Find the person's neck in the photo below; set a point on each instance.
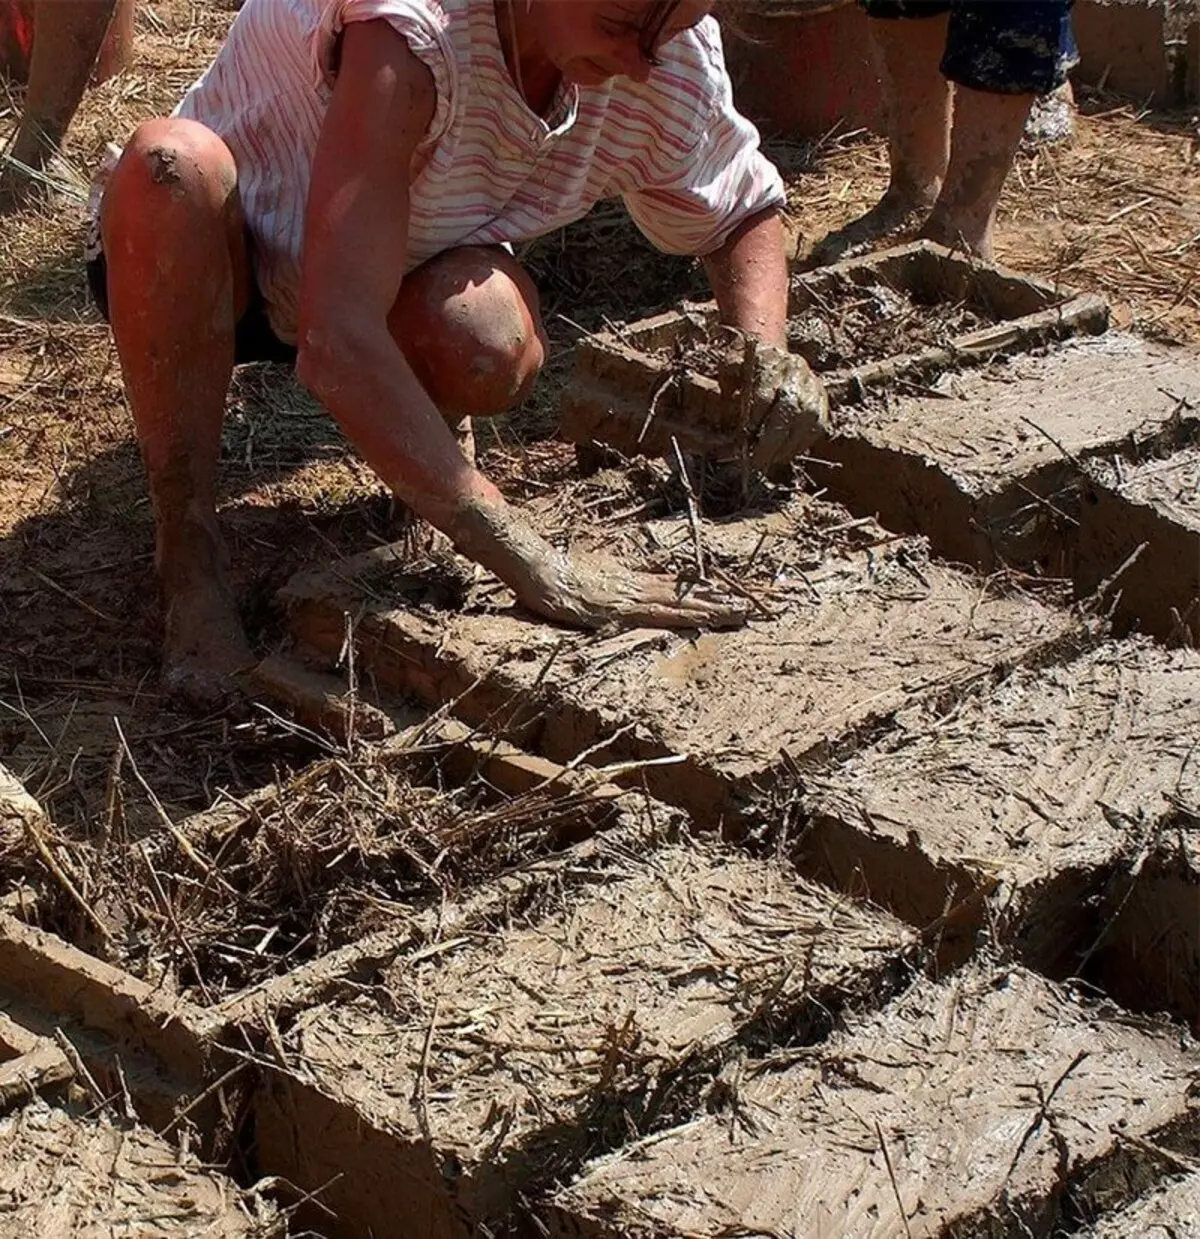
(532, 71)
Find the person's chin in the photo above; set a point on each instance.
(584, 72)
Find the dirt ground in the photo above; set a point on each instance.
(1115, 211)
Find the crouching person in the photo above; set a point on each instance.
(340, 190)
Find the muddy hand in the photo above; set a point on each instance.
(584, 591)
(786, 409)
(589, 592)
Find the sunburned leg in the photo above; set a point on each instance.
(917, 102)
(987, 131)
(178, 281)
(68, 35)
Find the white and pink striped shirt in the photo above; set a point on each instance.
(489, 170)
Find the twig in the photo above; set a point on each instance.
(70, 597)
(1047, 435)
(168, 911)
(887, 1161)
(63, 878)
(201, 1098)
(421, 1087)
(738, 588)
(1043, 502)
(652, 412)
(180, 839)
(1043, 1112)
(692, 511)
(81, 1069)
(1109, 581)
(746, 399)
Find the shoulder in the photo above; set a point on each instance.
(435, 31)
(688, 88)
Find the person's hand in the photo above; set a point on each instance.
(592, 592)
(586, 591)
(784, 406)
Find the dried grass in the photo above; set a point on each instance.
(252, 889)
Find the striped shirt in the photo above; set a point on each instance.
(489, 171)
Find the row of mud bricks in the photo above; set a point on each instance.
(896, 931)
(877, 917)
(655, 1028)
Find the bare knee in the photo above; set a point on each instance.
(172, 202)
(169, 168)
(469, 324)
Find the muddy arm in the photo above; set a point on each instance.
(749, 278)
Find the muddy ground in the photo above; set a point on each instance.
(82, 719)
(1114, 211)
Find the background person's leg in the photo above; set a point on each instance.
(67, 37)
(1000, 55)
(987, 132)
(178, 282)
(917, 98)
(908, 40)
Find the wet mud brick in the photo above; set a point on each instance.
(972, 1108)
(866, 324)
(65, 1175)
(860, 635)
(990, 464)
(1050, 810)
(30, 1065)
(1156, 502)
(1169, 1212)
(493, 1067)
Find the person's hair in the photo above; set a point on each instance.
(657, 16)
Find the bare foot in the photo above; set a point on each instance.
(891, 217)
(938, 228)
(205, 649)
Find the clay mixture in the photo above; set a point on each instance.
(853, 324)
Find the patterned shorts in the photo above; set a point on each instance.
(1006, 47)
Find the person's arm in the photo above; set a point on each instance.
(354, 257)
(749, 278)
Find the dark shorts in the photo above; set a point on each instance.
(253, 338)
(1006, 47)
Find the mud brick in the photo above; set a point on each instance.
(1170, 1212)
(30, 1065)
(865, 325)
(989, 465)
(1156, 503)
(1048, 795)
(64, 1175)
(858, 634)
(976, 1107)
(493, 1065)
